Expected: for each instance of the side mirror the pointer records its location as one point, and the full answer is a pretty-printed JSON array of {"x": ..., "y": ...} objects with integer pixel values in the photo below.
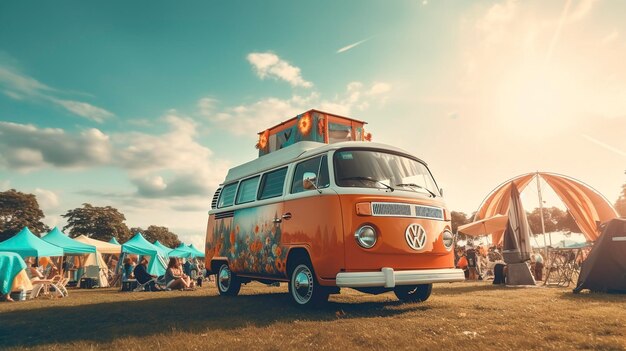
[
  {"x": 441, "y": 191},
  {"x": 308, "y": 180}
]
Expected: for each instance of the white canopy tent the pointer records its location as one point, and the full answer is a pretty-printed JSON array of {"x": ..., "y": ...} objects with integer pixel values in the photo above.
[{"x": 95, "y": 265}]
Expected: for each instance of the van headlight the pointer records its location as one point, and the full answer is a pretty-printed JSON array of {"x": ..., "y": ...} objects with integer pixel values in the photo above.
[
  {"x": 366, "y": 236},
  {"x": 448, "y": 239}
]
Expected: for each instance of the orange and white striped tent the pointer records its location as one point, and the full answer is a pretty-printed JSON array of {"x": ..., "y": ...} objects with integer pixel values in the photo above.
[{"x": 586, "y": 205}]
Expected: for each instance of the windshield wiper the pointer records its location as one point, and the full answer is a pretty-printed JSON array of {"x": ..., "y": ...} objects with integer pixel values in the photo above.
[
  {"x": 413, "y": 185},
  {"x": 371, "y": 180}
]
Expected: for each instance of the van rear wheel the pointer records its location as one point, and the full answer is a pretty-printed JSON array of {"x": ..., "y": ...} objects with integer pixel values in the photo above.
[
  {"x": 304, "y": 288},
  {"x": 227, "y": 282},
  {"x": 413, "y": 293}
]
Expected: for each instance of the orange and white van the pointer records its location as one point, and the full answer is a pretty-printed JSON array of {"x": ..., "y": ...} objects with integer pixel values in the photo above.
[{"x": 324, "y": 216}]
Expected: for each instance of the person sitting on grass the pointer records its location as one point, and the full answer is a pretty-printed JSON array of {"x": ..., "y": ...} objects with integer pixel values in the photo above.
[
  {"x": 175, "y": 278},
  {"x": 143, "y": 277}
]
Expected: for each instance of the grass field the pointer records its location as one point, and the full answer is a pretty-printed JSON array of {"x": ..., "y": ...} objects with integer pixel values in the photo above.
[{"x": 460, "y": 316}]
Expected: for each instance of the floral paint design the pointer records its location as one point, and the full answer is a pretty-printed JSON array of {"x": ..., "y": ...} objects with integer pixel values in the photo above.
[
  {"x": 251, "y": 242},
  {"x": 304, "y": 124}
]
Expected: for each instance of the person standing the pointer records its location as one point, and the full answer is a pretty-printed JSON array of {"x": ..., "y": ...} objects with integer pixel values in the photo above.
[
  {"x": 472, "y": 262},
  {"x": 538, "y": 267}
]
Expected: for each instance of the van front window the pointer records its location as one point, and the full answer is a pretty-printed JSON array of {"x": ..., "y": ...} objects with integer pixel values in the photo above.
[{"x": 377, "y": 169}]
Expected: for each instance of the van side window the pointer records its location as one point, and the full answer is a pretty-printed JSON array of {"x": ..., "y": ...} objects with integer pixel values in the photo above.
[
  {"x": 317, "y": 166},
  {"x": 227, "y": 196},
  {"x": 247, "y": 190},
  {"x": 272, "y": 184}
]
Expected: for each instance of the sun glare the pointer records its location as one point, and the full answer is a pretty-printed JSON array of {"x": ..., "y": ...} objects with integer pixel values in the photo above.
[{"x": 536, "y": 102}]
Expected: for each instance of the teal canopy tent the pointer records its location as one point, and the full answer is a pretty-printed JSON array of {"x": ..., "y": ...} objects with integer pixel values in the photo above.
[
  {"x": 26, "y": 244},
  {"x": 10, "y": 265},
  {"x": 162, "y": 247},
  {"x": 113, "y": 241},
  {"x": 182, "y": 251},
  {"x": 138, "y": 245},
  {"x": 197, "y": 252},
  {"x": 69, "y": 245}
]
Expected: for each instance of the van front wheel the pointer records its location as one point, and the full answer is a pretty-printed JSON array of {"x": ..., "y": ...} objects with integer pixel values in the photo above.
[
  {"x": 304, "y": 288},
  {"x": 227, "y": 282},
  {"x": 413, "y": 293}
]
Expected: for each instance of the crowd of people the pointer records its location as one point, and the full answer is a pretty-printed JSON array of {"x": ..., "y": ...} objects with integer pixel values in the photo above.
[
  {"x": 181, "y": 274},
  {"x": 486, "y": 262}
]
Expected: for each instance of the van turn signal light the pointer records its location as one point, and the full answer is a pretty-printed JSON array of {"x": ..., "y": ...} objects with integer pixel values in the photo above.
[{"x": 364, "y": 209}]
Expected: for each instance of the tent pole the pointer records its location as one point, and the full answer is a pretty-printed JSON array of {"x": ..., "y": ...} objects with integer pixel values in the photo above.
[{"x": 543, "y": 226}]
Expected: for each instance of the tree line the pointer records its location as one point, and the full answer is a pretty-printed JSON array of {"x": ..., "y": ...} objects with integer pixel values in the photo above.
[{"x": 19, "y": 210}]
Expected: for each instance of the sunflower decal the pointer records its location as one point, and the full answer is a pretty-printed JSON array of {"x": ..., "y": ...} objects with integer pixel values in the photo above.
[
  {"x": 263, "y": 138},
  {"x": 305, "y": 124}
]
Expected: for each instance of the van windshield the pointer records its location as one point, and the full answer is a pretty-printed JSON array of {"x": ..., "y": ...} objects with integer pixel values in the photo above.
[{"x": 377, "y": 169}]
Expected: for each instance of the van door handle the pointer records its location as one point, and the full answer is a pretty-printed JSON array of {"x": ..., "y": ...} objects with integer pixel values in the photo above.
[{"x": 287, "y": 215}]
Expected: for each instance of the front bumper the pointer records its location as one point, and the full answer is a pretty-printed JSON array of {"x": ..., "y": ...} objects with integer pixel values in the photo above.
[{"x": 389, "y": 278}]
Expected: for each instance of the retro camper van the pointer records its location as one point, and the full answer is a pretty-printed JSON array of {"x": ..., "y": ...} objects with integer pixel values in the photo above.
[{"x": 322, "y": 208}]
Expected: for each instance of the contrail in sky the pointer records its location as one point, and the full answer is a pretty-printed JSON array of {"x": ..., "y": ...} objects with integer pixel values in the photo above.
[
  {"x": 346, "y": 48},
  {"x": 604, "y": 145}
]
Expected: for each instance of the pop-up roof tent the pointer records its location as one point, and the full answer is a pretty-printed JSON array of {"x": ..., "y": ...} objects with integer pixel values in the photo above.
[
  {"x": 604, "y": 270},
  {"x": 197, "y": 253},
  {"x": 138, "y": 245},
  {"x": 26, "y": 244},
  {"x": 182, "y": 251},
  {"x": 69, "y": 245},
  {"x": 113, "y": 241}
]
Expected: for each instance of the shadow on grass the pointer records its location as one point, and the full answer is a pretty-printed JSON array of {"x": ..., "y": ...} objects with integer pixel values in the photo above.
[
  {"x": 104, "y": 322},
  {"x": 462, "y": 288},
  {"x": 587, "y": 296}
]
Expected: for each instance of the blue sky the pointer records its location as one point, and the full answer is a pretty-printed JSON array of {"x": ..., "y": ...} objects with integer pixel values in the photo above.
[{"x": 145, "y": 105}]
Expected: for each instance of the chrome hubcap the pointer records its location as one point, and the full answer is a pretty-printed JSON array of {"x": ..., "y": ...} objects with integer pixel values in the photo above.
[
  {"x": 224, "y": 278},
  {"x": 302, "y": 284}
]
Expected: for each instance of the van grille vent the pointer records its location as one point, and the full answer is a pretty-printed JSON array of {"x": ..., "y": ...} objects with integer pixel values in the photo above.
[
  {"x": 393, "y": 209},
  {"x": 216, "y": 196}
]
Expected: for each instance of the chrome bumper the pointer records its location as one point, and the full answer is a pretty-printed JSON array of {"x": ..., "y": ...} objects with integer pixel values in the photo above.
[{"x": 389, "y": 278}]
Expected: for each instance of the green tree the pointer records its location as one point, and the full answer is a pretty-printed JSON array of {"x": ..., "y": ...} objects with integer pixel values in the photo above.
[
  {"x": 19, "y": 210},
  {"x": 551, "y": 217},
  {"x": 162, "y": 234},
  {"x": 100, "y": 223},
  {"x": 620, "y": 204},
  {"x": 458, "y": 219}
]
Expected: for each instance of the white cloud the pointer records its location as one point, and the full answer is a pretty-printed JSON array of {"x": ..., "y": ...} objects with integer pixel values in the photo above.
[
  {"x": 48, "y": 200},
  {"x": 248, "y": 119},
  {"x": 171, "y": 164},
  {"x": 84, "y": 109},
  {"x": 352, "y": 46},
  {"x": 379, "y": 88},
  {"x": 269, "y": 65},
  {"x": 19, "y": 86},
  {"x": 25, "y": 147}
]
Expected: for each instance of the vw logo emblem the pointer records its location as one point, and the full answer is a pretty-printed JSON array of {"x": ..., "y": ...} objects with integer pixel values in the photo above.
[{"x": 415, "y": 236}]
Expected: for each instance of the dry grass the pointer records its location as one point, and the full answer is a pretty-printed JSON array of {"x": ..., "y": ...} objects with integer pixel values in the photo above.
[{"x": 475, "y": 316}]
